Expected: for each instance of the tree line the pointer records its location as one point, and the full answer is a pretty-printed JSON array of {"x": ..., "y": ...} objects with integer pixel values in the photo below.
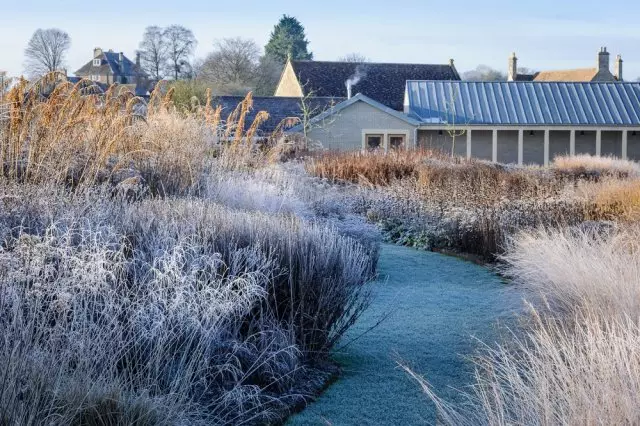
[{"x": 234, "y": 65}]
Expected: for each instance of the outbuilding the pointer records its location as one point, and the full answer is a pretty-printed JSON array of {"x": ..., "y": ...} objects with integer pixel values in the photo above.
[{"x": 526, "y": 122}]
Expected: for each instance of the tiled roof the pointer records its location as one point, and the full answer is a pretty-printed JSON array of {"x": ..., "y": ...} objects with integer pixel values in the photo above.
[
  {"x": 384, "y": 83},
  {"x": 525, "y": 103},
  {"x": 279, "y": 108},
  {"x": 578, "y": 75}
]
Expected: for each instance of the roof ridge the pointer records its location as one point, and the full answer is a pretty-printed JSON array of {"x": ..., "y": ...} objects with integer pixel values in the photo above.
[{"x": 372, "y": 63}]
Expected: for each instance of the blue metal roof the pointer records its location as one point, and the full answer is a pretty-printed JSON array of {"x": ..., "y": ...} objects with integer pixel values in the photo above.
[{"x": 524, "y": 103}]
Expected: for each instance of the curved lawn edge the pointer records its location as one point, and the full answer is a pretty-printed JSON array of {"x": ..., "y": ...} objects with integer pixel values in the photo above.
[{"x": 436, "y": 310}]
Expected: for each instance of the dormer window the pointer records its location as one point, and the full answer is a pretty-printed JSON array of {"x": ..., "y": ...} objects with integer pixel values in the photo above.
[{"x": 97, "y": 62}]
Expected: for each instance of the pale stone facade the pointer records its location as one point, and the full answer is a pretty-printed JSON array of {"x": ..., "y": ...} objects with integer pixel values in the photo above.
[{"x": 289, "y": 85}]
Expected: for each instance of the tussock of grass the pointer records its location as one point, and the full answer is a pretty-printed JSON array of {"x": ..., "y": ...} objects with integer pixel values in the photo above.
[
  {"x": 577, "y": 360},
  {"x": 368, "y": 168},
  {"x": 587, "y": 164}
]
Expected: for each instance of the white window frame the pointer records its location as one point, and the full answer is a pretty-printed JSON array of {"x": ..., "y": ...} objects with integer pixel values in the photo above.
[
  {"x": 386, "y": 133},
  {"x": 97, "y": 62}
]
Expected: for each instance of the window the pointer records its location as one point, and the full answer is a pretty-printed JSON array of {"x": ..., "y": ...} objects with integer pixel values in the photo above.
[
  {"x": 97, "y": 62},
  {"x": 95, "y": 78},
  {"x": 374, "y": 142},
  {"x": 397, "y": 141}
]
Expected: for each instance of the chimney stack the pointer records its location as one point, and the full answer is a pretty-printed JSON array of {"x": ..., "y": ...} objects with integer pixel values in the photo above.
[
  {"x": 97, "y": 52},
  {"x": 618, "y": 68},
  {"x": 603, "y": 60},
  {"x": 512, "y": 70},
  {"x": 349, "y": 89}
]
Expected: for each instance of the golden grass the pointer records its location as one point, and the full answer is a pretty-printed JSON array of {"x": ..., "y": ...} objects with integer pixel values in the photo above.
[
  {"x": 368, "y": 168},
  {"x": 585, "y": 163},
  {"x": 73, "y": 133},
  {"x": 617, "y": 200}
]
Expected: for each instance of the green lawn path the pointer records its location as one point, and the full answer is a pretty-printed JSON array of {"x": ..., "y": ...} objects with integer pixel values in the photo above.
[{"x": 438, "y": 306}]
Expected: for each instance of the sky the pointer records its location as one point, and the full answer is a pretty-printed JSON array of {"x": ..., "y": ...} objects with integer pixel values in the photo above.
[{"x": 546, "y": 34}]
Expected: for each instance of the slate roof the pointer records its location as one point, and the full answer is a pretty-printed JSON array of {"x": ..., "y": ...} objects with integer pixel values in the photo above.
[
  {"x": 384, "y": 83},
  {"x": 279, "y": 108},
  {"x": 526, "y": 77},
  {"x": 525, "y": 103},
  {"x": 583, "y": 74},
  {"x": 110, "y": 64}
]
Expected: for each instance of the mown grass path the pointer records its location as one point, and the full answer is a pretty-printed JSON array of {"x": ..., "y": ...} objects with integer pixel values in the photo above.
[{"x": 437, "y": 307}]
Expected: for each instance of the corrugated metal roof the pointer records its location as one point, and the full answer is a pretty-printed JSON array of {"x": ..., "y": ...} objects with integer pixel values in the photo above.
[{"x": 524, "y": 103}]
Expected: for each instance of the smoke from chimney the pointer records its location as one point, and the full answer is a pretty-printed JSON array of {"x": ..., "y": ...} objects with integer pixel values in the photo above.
[{"x": 355, "y": 79}]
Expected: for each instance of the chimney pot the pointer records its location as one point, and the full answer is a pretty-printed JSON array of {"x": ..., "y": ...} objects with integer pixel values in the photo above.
[
  {"x": 603, "y": 60},
  {"x": 512, "y": 69},
  {"x": 618, "y": 68}
]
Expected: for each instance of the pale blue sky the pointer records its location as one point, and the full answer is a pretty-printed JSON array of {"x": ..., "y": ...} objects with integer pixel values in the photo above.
[{"x": 546, "y": 34}]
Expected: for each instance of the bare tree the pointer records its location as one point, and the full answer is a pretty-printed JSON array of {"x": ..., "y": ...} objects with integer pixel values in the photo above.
[
  {"x": 153, "y": 51},
  {"x": 232, "y": 66},
  {"x": 46, "y": 51},
  {"x": 355, "y": 57},
  {"x": 180, "y": 46},
  {"x": 267, "y": 76}
]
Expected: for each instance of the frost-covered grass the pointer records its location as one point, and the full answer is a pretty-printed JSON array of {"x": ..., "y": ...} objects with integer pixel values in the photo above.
[
  {"x": 588, "y": 164},
  {"x": 577, "y": 360},
  {"x": 473, "y": 206},
  {"x": 165, "y": 269},
  {"x": 170, "y": 311}
]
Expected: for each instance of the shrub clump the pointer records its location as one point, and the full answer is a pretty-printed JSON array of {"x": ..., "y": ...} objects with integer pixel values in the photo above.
[{"x": 165, "y": 311}]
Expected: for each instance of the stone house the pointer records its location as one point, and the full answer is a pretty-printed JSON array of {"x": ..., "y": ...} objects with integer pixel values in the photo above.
[
  {"x": 600, "y": 73},
  {"x": 113, "y": 68},
  {"x": 384, "y": 83}
]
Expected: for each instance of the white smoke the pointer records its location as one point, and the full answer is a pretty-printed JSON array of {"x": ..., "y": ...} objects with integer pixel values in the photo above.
[{"x": 355, "y": 79}]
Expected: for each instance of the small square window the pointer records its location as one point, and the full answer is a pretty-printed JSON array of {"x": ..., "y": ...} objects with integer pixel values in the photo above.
[
  {"x": 374, "y": 142},
  {"x": 397, "y": 141},
  {"x": 97, "y": 62}
]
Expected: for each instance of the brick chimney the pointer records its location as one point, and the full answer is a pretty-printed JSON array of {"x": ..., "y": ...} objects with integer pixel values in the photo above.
[
  {"x": 97, "y": 52},
  {"x": 512, "y": 70},
  {"x": 603, "y": 60},
  {"x": 617, "y": 70}
]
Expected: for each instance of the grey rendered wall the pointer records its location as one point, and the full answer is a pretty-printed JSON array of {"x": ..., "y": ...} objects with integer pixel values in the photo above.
[
  {"x": 586, "y": 143},
  {"x": 611, "y": 144},
  {"x": 633, "y": 146},
  {"x": 559, "y": 143},
  {"x": 482, "y": 144},
  {"x": 507, "y": 146},
  {"x": 343, "y": 131},
  {"x": 533, "y": 147},
  {"x": 432, "y": 139}
]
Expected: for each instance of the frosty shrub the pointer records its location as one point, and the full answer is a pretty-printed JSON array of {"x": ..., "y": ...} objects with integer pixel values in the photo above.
[
  {"x": 165, "y": 311},
  {"x": 597, "y": 166}
]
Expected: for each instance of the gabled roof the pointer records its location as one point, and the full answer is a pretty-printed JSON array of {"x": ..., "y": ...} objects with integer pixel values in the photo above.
[
  {"x": 110, "y": 64},
  {"x": 279, "y": 108},
  {"x": 575, "y": 75},
  {"x": 524, "y": 103},
  {"x": 358, "y": 98},
  {"x": 383, "y": 82}
]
